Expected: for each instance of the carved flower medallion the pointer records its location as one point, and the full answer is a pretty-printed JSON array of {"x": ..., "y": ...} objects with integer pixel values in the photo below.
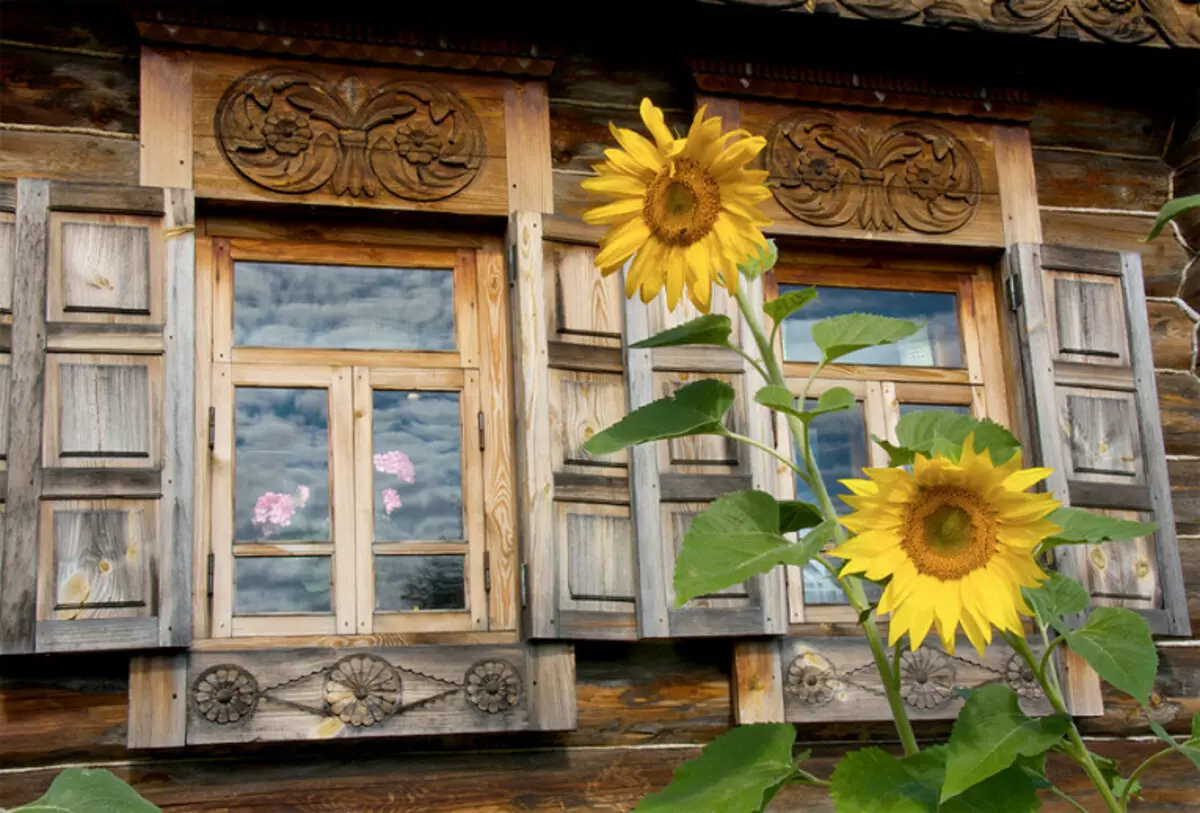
[
  {"x": 1020, "y": 677},
  {"x": 418, "y": 140},
  {"x": 286, "y": 129},
  {"x": 362, "y": 690},
  {"x": 225, "y": 694},
  {"x": 493, "y": 686},
  {"x": 926, "y": 678},
  {"x": 811, "y": 682}
]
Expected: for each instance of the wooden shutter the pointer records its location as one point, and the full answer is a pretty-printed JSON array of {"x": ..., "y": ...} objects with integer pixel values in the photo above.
[
  {"x": 600, "y": 533},
  {"x": 97, "y": 541},
  {"x": 1092, "y": 412}
]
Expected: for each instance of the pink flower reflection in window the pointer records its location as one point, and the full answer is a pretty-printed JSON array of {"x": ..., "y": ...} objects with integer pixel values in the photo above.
[
  {"x": 396, "y": 463},
  {"x": 273, "y": 511},
  {"x": 391, "y": 500}
]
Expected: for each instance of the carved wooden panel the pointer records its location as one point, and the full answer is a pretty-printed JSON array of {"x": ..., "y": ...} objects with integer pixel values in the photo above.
[
  {"x": 836, "y": 679},
  {"x": 103, "y": 411},
  {"x": 100, "y": 551},
  {"x": 105, "y": 268},
  {"x": 8, "y": 260},
  {"x": 348, "y": 136},
  {"x": 840, "y": 172},
  {"x": 599, "y": 544},
  {"x": 1089, "y": 321},
  {"x": 310, "y": 694}
]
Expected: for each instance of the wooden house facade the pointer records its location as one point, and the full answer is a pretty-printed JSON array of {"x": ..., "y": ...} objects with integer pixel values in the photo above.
[{"x": 301, "y": 341}]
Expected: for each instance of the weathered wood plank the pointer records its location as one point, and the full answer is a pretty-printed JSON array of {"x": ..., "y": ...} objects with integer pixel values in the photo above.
[
  {"x": 1179, "y": 406},
  {"x": 158, "y": 700},
  {"x": 1112, "y": 123},
  {"x": 90, "y": 634},
  {"x": 527, "y": 147},
  {"x": 1172, "y": 335},
  {"x": 58, "y": 89},
  {"x": 1163, "y": 260},
  {"x": 67, "y": 157},
  {"x": 1185, "y": 495},
  {"x": 165, "y": 126},
  {"x": 18, "y": 556},
  {"x": 100, "y": 197},
  {"x": 1087, "y": 180}
]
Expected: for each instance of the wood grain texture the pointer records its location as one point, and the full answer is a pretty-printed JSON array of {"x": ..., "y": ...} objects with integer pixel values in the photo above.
[
  {"x": 166, "y": 121},
  {"x": 18, "y": 557},
  {"x": 1018, "y": 185},
  {"x": 1163, "y": 260},
  {"x": 1173, "y": 335},
  {"x": 758, "y": 682},
  {"x": 8, "y": 259},
  {"x": 1179, "y": 406},
  {"x": 1185, "y": 495},
  {"x": 100, "y": 560},
  {"x": 157, "y": 701},
  {"x": 67, "y": 157},
  {"x": 1087, "y": 180},
  {"x": 57, "y": 89},
  {"x": 527, "y": 147}
]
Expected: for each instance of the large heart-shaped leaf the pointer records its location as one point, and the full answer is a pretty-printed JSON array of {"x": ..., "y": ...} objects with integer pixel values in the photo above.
[
  {"x": 736, "y": 537},
  {"x": 1171, "y": 210},
  {"x": 873, "y": 781},
  {"x": 795, "y": 515},
  {"x": 695, "y": 409},
  {"x": 1058, "y": 596},
  {"x": 784, "y": 306},
  {"x": 84, "y": 790},
  {"x": 920, "y": 431},
  {"x": 1079, "y": 526},
  {"x": 838, "y": 336},
  {"x": 1116, "y": 643},
  {"x": 738, "y": 772},
  {"x": 710, "y": 329},
  {"x": 991, "y": 732}
]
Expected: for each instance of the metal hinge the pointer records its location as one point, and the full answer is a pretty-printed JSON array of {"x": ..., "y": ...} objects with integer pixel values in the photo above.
[
  {"x": 481, "y": 444},
  {"x": 524, "y": 586},
  {"x": 487, "y": 571},
  {"x": 211, "y": 566},
  {"x": 1012, "y": 292},
  {"x": 212, "y": 428}
]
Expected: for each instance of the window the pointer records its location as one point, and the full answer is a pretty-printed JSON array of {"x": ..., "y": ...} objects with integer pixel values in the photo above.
[
  {"x": 953, "y": 362},
  {"x": 348, "y": 439}
]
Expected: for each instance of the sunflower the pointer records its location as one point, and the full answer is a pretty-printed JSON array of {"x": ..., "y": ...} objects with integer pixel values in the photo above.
[
  {"x": 685, "y": 209},
  {"x": 957, "y": 540}
]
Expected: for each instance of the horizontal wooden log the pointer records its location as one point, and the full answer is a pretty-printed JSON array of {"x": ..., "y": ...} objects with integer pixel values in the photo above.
[
  {"x": 1189, "y": 557},
  {"x": 1163, "y": 260},
  {"x": 1185, "y": 495},
  {"x": 68, "y": 157},
  {"x": 68, "y": 89},
  {"x": 1108, "y": 124},
  {"x": 1179, "y": 404},
  {"x": 1085, "y": 179},
  {"x": 1172, "y": 335}
]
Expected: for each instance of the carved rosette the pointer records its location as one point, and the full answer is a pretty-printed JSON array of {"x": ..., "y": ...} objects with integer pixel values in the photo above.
[
  {"x": 1020, "y": 678},
  {"x": 225, "y": 693},
  {"x": 926, "y": 678},
  {"x": 493, "y": 686},
  {"x": 362, "y": 690},
  {"x": 291, "y": 131},
  {"x": 811, "y": 679},
  {"x": 913, "y": 173}
]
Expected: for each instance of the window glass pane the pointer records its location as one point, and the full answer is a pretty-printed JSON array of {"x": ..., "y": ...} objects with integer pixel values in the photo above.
[
  {"x": 936, "y": 344},
  {"x": 282, "y": 584},
  {"x": 839, "y": 442},
  {"x": 958, "y": 409},
  {"x": 418, "y": 466},
  {"x": 281, "y": 465},
  {"x": 342, "y": 307},
  {"x": 419, "y": 583}
]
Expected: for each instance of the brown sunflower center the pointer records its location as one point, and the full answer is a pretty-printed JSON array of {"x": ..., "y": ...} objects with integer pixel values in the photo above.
[
  {"x": 682, "y": 203},
  {"x": 949, "y": 532}
]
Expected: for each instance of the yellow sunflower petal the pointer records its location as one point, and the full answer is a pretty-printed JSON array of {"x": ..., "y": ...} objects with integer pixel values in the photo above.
[
  {"x": 655, "y": 123},
  {"x": 617, "y": 185},
  {"x": 615, "y": 212},
  {"x": 736, "y": 156},
  {"x": 638, "y": 148},
  {"x": 621, "y": 243},
  {"x": 1026, "y": 478}
]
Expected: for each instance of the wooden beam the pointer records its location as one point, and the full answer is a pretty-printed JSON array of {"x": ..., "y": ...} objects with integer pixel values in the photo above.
[
  {"x": 527, "y": 147},
  {"x": 166, "y": 119},
  {"x": 157, "y": 701}
]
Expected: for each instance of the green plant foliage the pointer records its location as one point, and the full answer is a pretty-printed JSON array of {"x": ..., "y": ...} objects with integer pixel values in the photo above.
[
  {"x": 991, "y": 733},
  {"x": 1116, "y": 643},
  {"x": 84, "y": 790},
  {"x": 710, "y": 329},
  {"x": 780, "y": 399},
  {"x": 1083, "y": 526},
  {"x": 838, "y": 336},
  {"x": 796, "y": 515},
  {"x": 738, "y": 772},
  {"x": 695, "y": 409},
  {"x": 1171, "y": 210},
  {"x": 784, "y": 306},
  {"x": 920, "y": 432},
  {"x": 735, "y": 538},
  {"x": 1190, "y": 747},
  {"x": 760, "y": 263},
  {"x": 1058, "y": 596}
]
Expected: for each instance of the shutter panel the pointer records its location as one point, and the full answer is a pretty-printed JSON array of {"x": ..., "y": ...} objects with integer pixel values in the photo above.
[
  {"x": 98, "y": 535},
  {"x": 600, "y": 552},
  {"x": 1093, "y": 415}
]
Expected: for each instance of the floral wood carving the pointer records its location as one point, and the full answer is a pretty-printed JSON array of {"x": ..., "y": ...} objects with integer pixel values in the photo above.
[
  {"x": 493, "y": 686},
  {"x": 293, "y": 132},
  {"x": 811, "y": 679},
  {"x": 362, "y": 690},
  {"x": 913, "y": 173},
  {"x": 926, "y": 678},
  {"x": 225, "y": 694}
]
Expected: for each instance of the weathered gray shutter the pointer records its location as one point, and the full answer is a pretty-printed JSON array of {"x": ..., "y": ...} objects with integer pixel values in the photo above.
[
  {"x": 599, "y": 534},
  {"x": 1091, "y": 407},
  {"x": 97, "y": 541}
]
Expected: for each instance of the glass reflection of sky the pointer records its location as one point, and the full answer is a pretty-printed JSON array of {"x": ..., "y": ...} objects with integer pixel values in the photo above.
[
  {"x": 342, "y": 307},
  {"x": 282, "y": 444},
  {"x": 404, "y": 583},
  {"x": 839, "y": 443},
  {"x": 936, "y": 344},
  {"x": 426, "y": 426},
  {"x": 282, "y": 584},
  {"x": 958, "y": 409}
]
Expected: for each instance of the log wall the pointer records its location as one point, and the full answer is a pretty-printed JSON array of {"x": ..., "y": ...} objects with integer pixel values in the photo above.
[{"x": 1105, "y": 162}]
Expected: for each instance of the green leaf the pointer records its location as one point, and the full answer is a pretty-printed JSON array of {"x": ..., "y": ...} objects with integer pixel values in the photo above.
[
  {"x": 873, "y": 781},
  {"x": 833, "y": 399},
  {"x": 897, "y": 455},
  {"x": 991, "y": 732},
  {"x": 781, "y": 399},
  {"x": 1171, "y": 210},
  {"x": 695, "y": 409},
  {"x": 736, "y": 537},
  {"x": 1116, "y": 643},
  {"x": 760, "y": 263},
  {"x": 1057, "y": 596},
  {"x": 710, "y": 329},
  {"x": 918, "y": 431},
  {"x": 1083, "y": 526},
  {"x": 784, "y": 306},
  {"x": 83, "y": 790},
  {"x": 795, "y": 515},
  {"x": 838, "y": 336},
  {"x": 1012, "y": 790},
  {"x": 738, "y": 772},
  {"x": 1190, "y": 747}
]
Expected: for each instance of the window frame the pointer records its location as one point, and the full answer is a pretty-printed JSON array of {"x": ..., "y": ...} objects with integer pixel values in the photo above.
[
  {"x": 478, "y": 370},
  {"x": 983, "y": 383}
]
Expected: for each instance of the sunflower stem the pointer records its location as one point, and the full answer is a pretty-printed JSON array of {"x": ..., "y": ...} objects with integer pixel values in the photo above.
[
  {"x": 1077, "y": 750},
  {"x": 753, "y": 362},
  {"x": 852, "y": 586},
  {"x": 749, "y": 441}
]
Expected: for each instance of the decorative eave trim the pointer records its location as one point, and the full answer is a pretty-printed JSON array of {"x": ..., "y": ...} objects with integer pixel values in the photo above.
[
  {"x": 1154, "y": 23},
  {"x": 848, "y": 89},
  {"x": 357, "y": 42}
]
